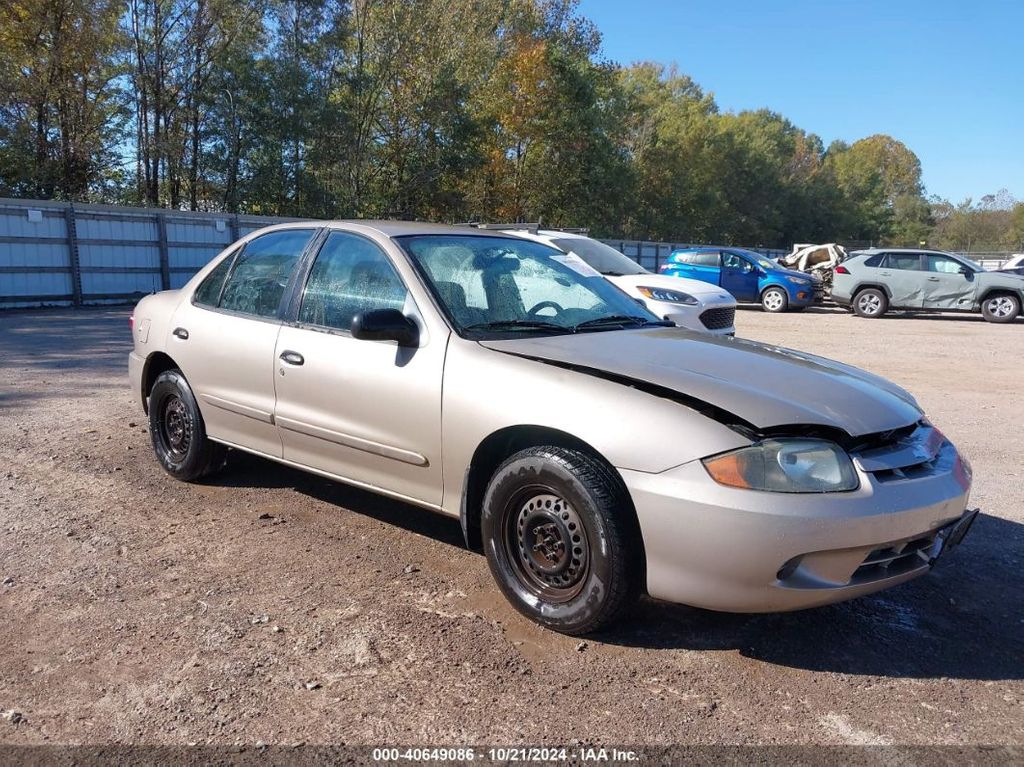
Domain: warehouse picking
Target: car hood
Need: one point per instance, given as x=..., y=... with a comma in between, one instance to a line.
x=766, y=386
x=695, y=288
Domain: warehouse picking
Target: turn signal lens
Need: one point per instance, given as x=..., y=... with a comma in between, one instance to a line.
x=728, y=470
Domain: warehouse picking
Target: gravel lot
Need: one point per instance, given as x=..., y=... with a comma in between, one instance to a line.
x=274, y=606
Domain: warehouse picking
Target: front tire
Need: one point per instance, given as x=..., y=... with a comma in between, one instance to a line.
x=870, y=303
x=561, y=539
x=775, y=300
x=177, y=430
x=1001, y=308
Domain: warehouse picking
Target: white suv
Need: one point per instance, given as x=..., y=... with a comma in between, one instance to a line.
x=688, y=303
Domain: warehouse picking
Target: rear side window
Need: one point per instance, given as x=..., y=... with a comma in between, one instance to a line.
x=700, y=258
x=906, y=261
x=350, y=275
x=261, y=272
x=208, y=293
x=875, y=260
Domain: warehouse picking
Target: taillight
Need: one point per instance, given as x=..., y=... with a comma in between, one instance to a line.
x=131, y=322
x=842, y=270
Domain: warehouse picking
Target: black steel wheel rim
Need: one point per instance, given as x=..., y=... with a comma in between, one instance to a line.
x=546, y=544
x=176, y=427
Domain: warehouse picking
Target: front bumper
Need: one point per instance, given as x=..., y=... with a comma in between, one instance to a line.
x=711, y=315
x=739, y=550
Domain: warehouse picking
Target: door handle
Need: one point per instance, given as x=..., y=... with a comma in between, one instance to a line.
x=181, y=333
x=933, y=279
x=886, y=274
x=292, y=358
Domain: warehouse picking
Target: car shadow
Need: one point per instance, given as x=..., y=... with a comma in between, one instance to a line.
x=964, y=620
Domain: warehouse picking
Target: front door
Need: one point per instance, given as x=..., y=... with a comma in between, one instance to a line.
x=739, y=277
x=946, y=287
x=224, y=337
x=366, y=411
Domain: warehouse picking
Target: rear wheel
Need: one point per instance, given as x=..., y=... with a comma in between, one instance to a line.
x=870, y=303
x=1001, y=308
x=177, y=430
x=775, y=300
x=561, y=539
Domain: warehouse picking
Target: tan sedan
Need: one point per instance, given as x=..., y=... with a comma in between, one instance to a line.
x=593, y=451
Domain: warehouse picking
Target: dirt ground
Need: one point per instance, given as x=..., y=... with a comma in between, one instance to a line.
x=270, y=605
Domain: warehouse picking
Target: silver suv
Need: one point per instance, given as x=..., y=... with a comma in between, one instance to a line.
x=873, y=281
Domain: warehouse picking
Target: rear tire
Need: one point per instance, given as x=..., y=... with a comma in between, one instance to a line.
x=561, y=539
x=870, y=303
x=1000, y=308
x=177, y=430
x=775, y=300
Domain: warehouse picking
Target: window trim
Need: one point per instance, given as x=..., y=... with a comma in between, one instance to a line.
x=294, y=306
x=231, y=256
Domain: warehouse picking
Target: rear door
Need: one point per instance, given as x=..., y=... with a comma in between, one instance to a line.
x=223, y=339
x=366, y=411
x=739, y=277
x=945, y=286
x=703, y=265
x=903, y=274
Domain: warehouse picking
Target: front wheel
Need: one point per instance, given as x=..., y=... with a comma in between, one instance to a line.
x=177, y=430
x=775, y=300
x=561, y=539
x=1002, y=308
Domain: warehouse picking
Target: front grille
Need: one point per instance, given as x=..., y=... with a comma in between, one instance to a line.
x=896, y=559
x=921, y=453
x=719, y=318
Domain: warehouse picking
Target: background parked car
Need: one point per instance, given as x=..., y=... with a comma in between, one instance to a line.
x=688, y=303
x=748, y=276
x=1016, y=262
x=872, y=282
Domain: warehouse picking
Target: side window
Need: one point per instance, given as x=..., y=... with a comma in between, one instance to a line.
x=942, y=264
x=875, y=260
x=703, y=258
x=732, y=261
x=350, y=275
x=208, y=292
x=910, y=262
x=262, y=270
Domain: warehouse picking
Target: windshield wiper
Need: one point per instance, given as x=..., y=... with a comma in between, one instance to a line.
x=519, y=325
x=618, y=320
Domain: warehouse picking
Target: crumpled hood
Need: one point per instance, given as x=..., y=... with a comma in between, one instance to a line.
x=766, y=386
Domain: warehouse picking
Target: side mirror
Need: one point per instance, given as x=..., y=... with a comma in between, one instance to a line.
x=965, y=271
x=385, y=325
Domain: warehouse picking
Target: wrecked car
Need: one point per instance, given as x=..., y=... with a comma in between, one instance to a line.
x=591, y=449
x=872, y=282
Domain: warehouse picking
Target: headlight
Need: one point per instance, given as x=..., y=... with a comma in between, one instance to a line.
x=798, y=280
x=671, y=296
x=786, y=466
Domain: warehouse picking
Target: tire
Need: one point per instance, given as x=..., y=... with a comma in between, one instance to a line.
x=1000, y=308
x=870, y=303
x=775, y=300
x=585, y=568
x=177, y=431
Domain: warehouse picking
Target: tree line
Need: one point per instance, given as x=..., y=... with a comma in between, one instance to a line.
x=445, y=110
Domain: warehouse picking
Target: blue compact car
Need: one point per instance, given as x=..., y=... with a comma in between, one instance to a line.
x=748, y=276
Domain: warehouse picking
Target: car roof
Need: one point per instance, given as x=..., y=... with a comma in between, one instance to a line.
x=872, y=251
x=391, y=228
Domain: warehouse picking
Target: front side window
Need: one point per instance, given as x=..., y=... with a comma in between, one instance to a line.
x=733, y=261
x=943, y=265
x=350, y=275
x=494, y=285
x=261, y=272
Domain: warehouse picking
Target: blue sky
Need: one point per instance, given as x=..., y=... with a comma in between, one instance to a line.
x=944, y=77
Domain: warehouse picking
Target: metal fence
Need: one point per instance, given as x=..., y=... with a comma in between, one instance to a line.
x=62, y=254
